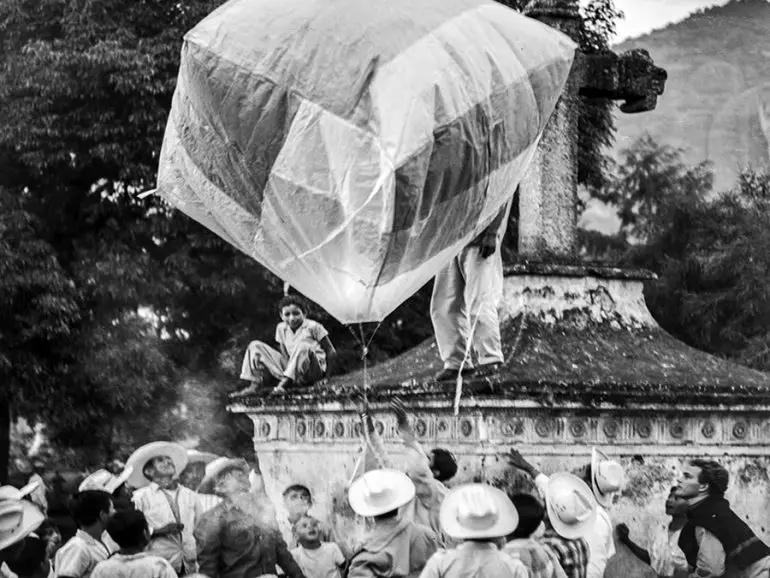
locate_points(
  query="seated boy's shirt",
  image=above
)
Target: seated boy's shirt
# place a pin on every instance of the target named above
(80, 555)
(310, 332)
(324, 562)
(142, 565)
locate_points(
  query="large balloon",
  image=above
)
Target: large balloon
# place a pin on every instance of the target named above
(353, 147)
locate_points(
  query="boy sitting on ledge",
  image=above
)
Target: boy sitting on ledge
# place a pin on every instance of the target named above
(306, 353)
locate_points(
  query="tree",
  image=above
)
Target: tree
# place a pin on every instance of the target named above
(650, 182)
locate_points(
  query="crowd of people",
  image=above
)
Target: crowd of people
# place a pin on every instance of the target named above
(175, 512)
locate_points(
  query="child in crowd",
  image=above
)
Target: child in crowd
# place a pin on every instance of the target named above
(129, 529)
(522, 543)
(306, 353)
(316, 557)
(298, 501)
(665, 556)
(79, 556)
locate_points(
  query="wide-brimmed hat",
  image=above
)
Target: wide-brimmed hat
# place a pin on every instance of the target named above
(147, 452)
(380, 491)
(570, 504)
(105, 481)
(606, 477)
(195, 456)
(11, 493)
(215, 468)
(477, 511)
(18, 519)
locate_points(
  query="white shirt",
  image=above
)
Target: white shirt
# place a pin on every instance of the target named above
(601, 546)
(325, 562)
(474, 559)
(156, 508)
(310, 332)
(79, 556)
(666, 557)
(142, 565)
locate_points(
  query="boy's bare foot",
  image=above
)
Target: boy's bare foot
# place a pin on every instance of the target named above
(281, 387)
(488, 369)
(251, 389)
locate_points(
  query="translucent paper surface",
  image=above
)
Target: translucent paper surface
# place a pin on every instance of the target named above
(353, 147)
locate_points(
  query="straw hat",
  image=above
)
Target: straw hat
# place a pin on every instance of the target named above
(147, 452)
(380, 491)
(606, 477)
(477, 511)
(195, 456)
(18, 519)
(216, 467)
(11, 493)
(570, 504)
(104, 481)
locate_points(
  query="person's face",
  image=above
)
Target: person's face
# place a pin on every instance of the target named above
(297, 503)
(676, 505)
(293, 316)
(307, 529)
(163, 466)
(688, 486)
(193, 474)
(233, 482)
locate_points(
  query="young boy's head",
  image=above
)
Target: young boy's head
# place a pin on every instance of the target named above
(293, 310)
(298, 500)
(307, 530)
(531, 515)
(129, 529)
(91, 508)
(443, 464)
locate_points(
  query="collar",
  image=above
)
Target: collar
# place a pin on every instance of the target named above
(154, 487)
(471, 545)
(697, 501)
(301, 325)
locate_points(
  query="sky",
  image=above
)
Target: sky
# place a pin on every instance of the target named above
(643, 16)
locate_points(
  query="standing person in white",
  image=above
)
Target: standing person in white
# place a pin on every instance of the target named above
(466, 295)
(606, 480)
(171, 509)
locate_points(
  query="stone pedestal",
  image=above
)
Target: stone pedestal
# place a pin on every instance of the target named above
(586, 365)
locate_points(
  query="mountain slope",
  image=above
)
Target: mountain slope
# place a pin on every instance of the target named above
(717, 101)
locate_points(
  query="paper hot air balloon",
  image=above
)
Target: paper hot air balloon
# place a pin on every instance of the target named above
(353, 147)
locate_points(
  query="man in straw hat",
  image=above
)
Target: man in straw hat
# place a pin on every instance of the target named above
(397, 546)
(21, 551)
(171, 509)
(571, 515)
(239, 537)
(193, 475)
(478, 515)
(606, 479)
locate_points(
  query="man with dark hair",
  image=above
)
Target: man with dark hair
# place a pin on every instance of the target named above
(715, 540)
(129, 529)
(237, 538)
(79, 556)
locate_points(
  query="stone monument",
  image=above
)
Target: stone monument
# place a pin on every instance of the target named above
(586, 364)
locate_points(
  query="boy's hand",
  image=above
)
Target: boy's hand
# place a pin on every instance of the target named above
(397, 405)
(516, 460)
(623, 533)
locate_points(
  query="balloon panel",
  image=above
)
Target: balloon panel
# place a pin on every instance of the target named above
(354, 147)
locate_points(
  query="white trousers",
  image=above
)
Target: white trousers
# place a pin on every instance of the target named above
(306, 366)
(466, 293)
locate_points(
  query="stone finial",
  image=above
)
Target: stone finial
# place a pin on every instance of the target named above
(631, 76)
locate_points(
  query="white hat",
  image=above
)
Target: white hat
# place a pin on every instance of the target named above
(216, 467)
(18, 519)
(606, 477)
(147, 452)
(11, 493)
(195, 456)
(570, 504)
(477, 511)
(105, 481)
(380, 491)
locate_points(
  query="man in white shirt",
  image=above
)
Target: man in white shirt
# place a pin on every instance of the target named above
(171, 509)
(79, 556)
